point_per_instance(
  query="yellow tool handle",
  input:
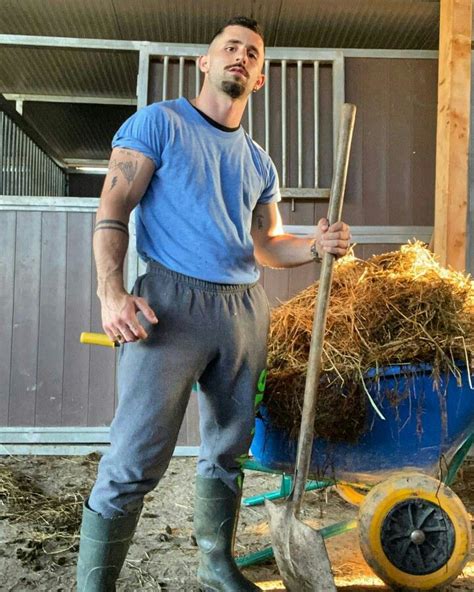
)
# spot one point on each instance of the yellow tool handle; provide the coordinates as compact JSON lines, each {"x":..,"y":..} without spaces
{"x":98,"y":339}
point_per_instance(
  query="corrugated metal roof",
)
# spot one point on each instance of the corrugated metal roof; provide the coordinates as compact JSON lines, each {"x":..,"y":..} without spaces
{"x":400,"y":24}
{"x":381,"y":24}
{"x":29,"y":70}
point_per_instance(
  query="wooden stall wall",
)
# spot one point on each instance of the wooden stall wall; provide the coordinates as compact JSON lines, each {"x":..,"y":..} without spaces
{"x":47,"y":297}
{"x":392,"y":168}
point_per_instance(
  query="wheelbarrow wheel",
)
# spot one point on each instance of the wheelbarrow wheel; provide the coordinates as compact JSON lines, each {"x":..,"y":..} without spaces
{"x":351,"y":494}
{"x":414,"y":532}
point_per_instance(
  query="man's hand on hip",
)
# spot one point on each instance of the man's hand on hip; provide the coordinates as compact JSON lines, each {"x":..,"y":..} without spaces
{"x":119,"y":316}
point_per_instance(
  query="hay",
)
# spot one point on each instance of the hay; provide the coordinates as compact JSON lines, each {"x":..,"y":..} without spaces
{"x":397,"y":308}
{"x":50,"y":523}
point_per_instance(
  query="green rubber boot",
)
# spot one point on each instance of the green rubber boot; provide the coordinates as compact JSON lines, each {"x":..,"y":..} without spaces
{"x":215,"y":522}
{"x":103,"y":547}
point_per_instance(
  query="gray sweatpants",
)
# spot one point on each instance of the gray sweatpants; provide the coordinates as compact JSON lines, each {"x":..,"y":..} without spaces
{"x":214,"y":334}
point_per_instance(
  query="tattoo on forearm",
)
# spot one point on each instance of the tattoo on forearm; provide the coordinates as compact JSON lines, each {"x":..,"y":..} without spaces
{"x":111,"y":225}
{"x":128,"y":168}
{"x":114,"y":182}
{"x":259,"y":221}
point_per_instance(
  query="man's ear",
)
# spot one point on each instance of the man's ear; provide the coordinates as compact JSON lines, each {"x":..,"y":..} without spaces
{"x":260,"y":82}
{"x":203,"y":63}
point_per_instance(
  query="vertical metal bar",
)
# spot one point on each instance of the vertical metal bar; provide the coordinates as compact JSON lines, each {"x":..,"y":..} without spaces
{"x":166,"y":63}
{"x":142,"y":79}
{"x":36,"y":171}
{"x":10,"y":157}
{"x":28,"y":167}
{"x":300,"y":121}
{"x":43,"y":173}
{"x":337,"y":97}
{"x":316,"y":122}
{"x":197,"y":78}
{"x":181,"y":77}
{"x":250,"y":114}
{"x":14,"y":160}
{"x":283,"y":123}
{"x":2,"y":152}
{"x":267,"y":105}
{"x":22,"y":164}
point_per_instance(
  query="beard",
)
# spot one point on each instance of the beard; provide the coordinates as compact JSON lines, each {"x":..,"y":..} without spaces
{"x":233,"y":88}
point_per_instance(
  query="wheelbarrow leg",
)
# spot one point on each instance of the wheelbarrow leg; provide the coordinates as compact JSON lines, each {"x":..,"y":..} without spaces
{"x":458,"y":459}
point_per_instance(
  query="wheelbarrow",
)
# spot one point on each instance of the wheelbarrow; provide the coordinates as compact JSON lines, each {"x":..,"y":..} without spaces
{"x":414,"y":531}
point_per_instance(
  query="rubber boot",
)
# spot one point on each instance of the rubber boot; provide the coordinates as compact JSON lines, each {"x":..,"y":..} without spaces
{"x":103,"y":547}
{"x":215,"y":522}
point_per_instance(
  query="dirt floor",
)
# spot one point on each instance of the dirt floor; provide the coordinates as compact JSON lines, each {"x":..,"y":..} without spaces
{"x":38,"y":536}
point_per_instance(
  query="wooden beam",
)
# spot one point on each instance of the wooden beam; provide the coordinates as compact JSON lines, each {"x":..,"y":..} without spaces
{"x":452,"y":139}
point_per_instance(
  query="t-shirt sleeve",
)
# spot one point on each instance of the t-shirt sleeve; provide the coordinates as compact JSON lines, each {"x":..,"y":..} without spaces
{"x":144,"y":132}
{"x":271,"y":192}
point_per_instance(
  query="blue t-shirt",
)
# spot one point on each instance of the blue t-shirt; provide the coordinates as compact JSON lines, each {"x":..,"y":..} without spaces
{"x":196,"y":214}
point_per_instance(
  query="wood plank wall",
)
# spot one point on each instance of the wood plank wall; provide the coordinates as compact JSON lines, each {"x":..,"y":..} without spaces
{"x":47,"y":297}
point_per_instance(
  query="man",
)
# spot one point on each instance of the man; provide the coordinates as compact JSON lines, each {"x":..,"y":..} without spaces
{"x":206,"y":209}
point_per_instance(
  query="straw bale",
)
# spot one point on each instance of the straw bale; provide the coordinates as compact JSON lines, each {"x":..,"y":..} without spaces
{"x":400,"y":307}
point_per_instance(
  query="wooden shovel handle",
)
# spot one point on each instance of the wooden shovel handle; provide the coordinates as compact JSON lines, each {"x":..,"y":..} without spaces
{"x":305,"y":442}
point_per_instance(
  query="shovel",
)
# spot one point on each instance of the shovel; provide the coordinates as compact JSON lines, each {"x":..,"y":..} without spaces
{"x":299,"y":550}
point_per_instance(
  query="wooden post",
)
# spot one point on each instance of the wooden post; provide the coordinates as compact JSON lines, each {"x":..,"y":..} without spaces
{"x":452,"y":139}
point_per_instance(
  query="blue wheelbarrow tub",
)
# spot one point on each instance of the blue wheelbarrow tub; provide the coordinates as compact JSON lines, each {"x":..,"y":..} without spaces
{"x":422,"y":432}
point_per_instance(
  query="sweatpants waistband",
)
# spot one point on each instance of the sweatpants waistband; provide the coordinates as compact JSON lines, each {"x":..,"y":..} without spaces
{"x":156,"y":268}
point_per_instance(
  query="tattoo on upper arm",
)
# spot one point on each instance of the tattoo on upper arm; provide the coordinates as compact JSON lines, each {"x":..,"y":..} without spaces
{"x":260,"y":219}
{"x":128,"y":168}
{"x":114,"y":182}
{"x":111,"y":225}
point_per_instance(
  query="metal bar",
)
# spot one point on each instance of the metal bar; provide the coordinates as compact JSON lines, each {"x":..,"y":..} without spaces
{"x":48,"y":204}
{"x":250,"y":115}
{"x":197,"y":78}
{"x":166,"y":61}
{"x":316,"y":122}
{"x":16,"y":140}
{"x":89,"y":100}
{"x":283,"y":123}
{"x":142,"y":79}
{"x":29,"y":169}
{"x":2,"y":151}
{"x":372,"y":234}
{"x":75,"y":449}
{"x":267,"y":105}
{"x":193,"y":50}
{"x":10,"y":157}
{"x":37,"y":190}
{"x":299,"y":91}
{"x":181,"y":77}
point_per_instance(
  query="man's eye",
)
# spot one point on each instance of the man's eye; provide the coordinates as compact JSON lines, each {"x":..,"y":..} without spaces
{"x":253,"y":56}
{"x":230,"y":48}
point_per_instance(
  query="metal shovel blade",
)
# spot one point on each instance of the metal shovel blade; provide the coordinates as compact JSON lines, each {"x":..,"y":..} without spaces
{"x":300,"y":552}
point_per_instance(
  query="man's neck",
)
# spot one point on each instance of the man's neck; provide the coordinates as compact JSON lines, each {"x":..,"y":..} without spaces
{"x":221,"y":108}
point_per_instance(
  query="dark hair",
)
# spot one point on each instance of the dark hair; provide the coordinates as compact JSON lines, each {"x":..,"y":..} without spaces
{"x":241,"y":21}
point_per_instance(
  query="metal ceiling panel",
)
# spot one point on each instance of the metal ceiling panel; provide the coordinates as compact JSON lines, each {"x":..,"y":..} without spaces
{"x":382,"y":24}
{"x":189,"y":21}
{"x":94,"y":19}
{"x":68,"y":72}
{"x":363,"y":24}
{"x":77,"y":131}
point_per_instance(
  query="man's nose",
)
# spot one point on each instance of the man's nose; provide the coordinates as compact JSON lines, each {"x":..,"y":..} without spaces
{"x":241,"y":56}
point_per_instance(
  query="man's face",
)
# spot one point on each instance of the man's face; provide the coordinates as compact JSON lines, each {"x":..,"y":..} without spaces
{"x":234,"y":62}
